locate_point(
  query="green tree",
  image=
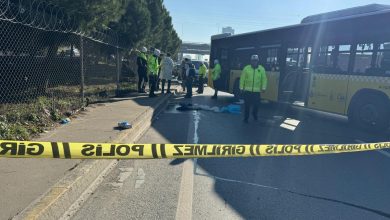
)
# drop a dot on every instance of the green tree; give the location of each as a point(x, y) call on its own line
point(137, 22)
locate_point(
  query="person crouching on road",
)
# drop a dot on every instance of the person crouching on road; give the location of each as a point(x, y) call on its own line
point(166, 72)
point(253, 81)
point(153, 67)
point(216, 75)
point(202, 76)
point(142, 62)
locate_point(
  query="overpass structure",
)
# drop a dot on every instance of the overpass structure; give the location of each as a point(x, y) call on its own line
point(194, 48)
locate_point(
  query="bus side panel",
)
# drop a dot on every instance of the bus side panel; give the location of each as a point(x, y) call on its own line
point(328, 92)
point(357, 83)
point(272, 91)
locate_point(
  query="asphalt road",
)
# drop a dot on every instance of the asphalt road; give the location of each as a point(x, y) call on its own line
point(342, 186)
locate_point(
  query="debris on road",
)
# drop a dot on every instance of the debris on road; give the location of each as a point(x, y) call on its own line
point(233, 109)
point(65, 121)
point(124, 125)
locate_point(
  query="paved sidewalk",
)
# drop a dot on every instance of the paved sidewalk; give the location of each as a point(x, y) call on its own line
point(24, 180)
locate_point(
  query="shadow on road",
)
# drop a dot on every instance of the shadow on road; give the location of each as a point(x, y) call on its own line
point(307, 186)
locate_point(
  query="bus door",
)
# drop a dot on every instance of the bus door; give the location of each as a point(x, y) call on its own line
point(294, 85)
point(225, 62)
point(329, 79)
point(270, 56)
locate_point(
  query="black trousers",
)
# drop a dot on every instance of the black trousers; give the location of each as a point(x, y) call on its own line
point(152, 84)
point(216, 84)
point(201, 84)
point(163, 85)
point(189, 86)
point(252, 101)
point(142, 80)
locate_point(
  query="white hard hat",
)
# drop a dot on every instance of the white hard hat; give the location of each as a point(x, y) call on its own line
point(255, 57)
point(216, 61)
point(157, 52)
point(144, 49)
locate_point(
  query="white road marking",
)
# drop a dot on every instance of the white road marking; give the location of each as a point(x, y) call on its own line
point(385, 153)
point(184, 205)
point(140, 178)
point(123, 176)
point(236, 181)
point(196, 115)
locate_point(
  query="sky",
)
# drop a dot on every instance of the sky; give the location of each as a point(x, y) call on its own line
point(197, 20)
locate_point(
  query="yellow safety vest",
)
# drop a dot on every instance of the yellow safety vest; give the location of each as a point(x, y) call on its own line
point(202, 71)
point(153, 65)
point(253, 80)
point(216, 74)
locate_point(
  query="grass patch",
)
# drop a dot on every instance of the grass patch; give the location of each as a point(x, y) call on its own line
point(24, 121)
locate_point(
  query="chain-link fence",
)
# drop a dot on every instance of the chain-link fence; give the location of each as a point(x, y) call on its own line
point(49, 69)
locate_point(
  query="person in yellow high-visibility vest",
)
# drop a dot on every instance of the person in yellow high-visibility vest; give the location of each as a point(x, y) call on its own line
point(202, 76)
point(142, 62)
point(216, 75)
point(253, 82)
point(153, 67)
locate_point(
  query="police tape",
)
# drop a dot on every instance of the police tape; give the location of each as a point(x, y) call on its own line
point(64, 150)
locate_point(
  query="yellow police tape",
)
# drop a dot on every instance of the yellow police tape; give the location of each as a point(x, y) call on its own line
point(64, 150)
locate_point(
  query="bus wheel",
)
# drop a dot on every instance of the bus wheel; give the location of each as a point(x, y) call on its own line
point(236, 89)
point(371, 113)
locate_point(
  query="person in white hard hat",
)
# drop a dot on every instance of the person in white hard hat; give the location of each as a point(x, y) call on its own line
point(253, 82)
point(142, 62)
point(153, 67)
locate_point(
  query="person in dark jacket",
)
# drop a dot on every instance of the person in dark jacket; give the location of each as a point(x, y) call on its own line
point(190, 78)
point(142, 62)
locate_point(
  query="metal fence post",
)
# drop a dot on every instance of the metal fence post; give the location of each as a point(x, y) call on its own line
point(82, 71)
point(118, 69)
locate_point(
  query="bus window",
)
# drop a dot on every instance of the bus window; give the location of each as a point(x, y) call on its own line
point(382, 62)
point(295, 57)
point(241, 57)
point(363, 58)
point(343, 58)
point(272, 63)
point(332, 59)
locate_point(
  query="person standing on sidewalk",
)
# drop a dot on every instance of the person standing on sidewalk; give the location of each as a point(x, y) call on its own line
point(216, 76)
point(183, 73)
point(142, 62)
point(202, 76)
point(190, 78)
point(153, 67)
point(253, 82)
point(159, 71)
point(166, 72)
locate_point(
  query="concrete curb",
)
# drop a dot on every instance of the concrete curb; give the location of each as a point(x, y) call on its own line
point(60, 197)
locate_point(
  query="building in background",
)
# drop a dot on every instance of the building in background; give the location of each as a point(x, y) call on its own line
point(228, 30)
